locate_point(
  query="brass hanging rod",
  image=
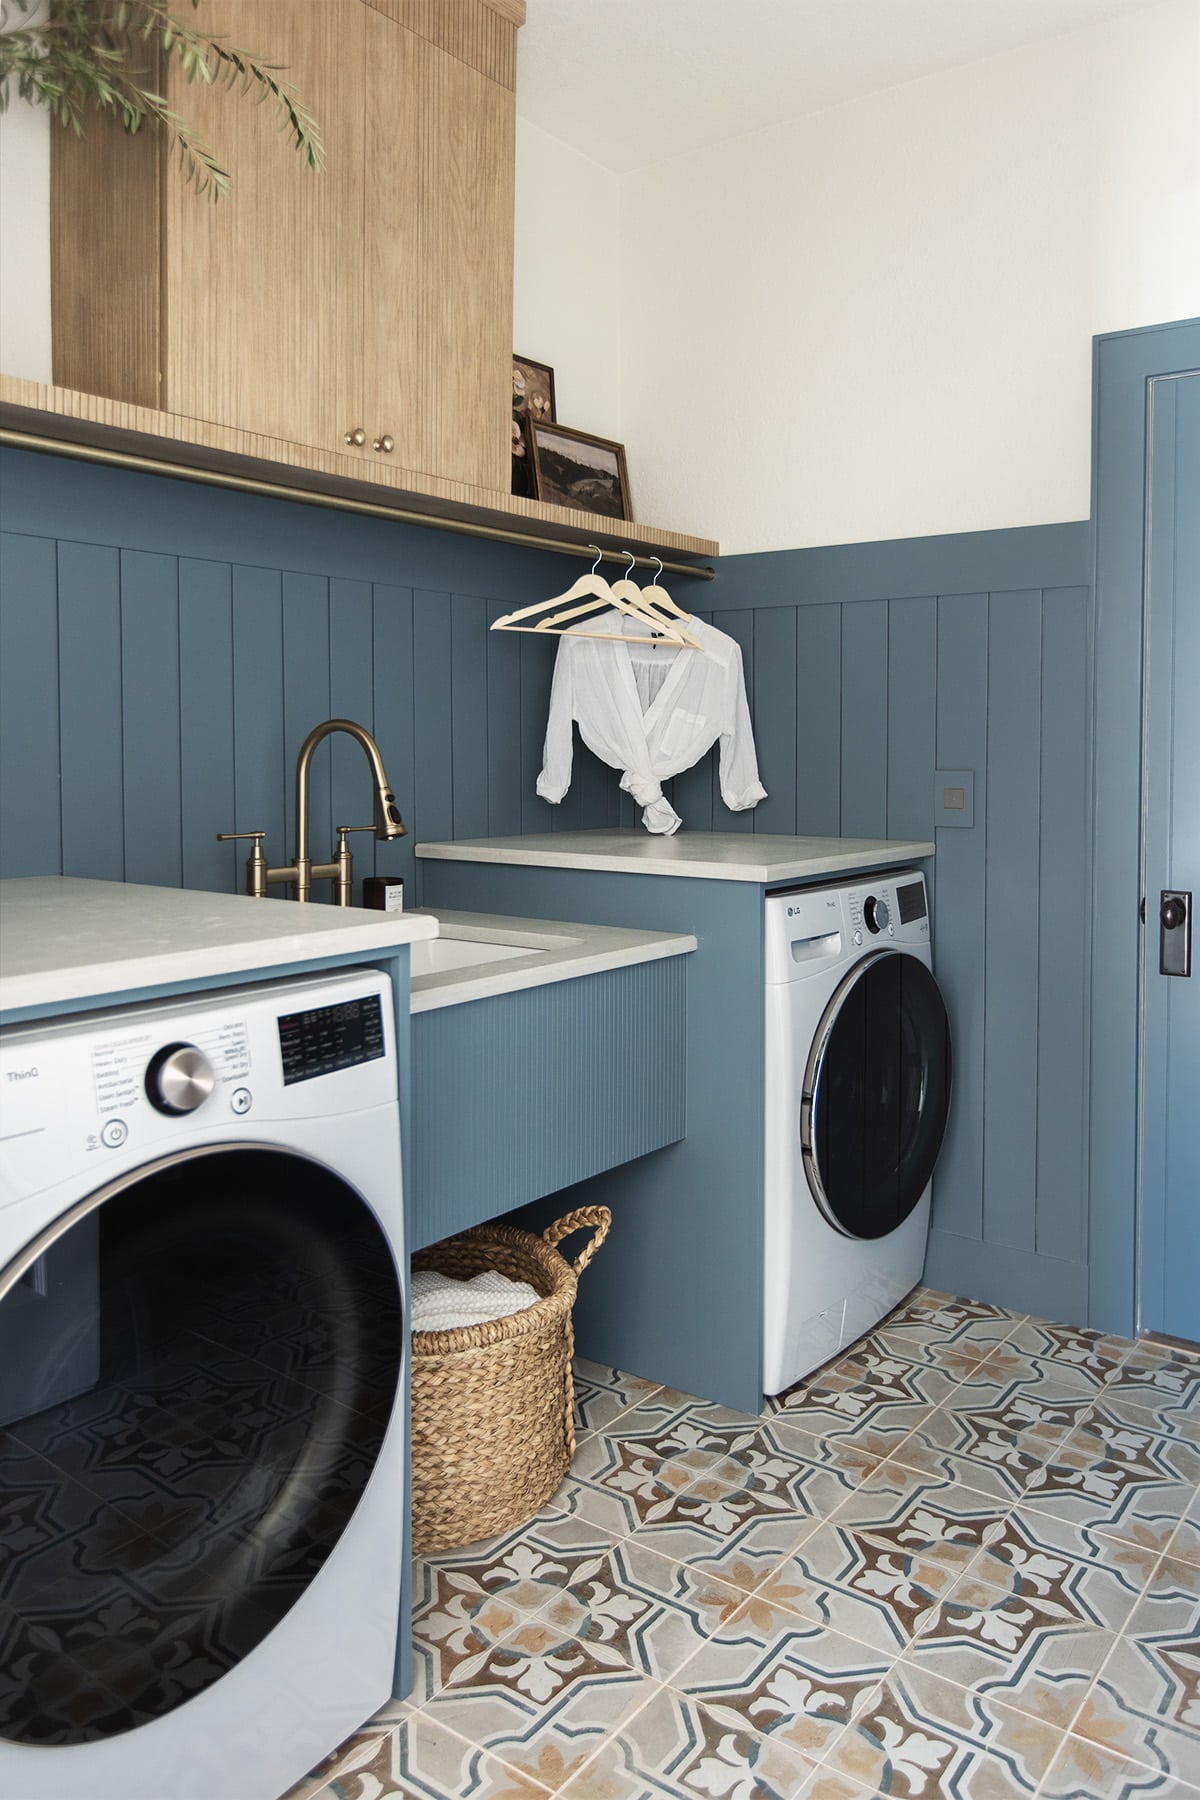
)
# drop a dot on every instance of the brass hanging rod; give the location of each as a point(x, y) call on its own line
point(249, 484)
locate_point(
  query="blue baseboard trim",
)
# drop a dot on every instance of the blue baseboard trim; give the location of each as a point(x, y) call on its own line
point(1019, 1279)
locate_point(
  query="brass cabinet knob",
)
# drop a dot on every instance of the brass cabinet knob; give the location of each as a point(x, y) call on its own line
point(357, 436)
point(385, 445)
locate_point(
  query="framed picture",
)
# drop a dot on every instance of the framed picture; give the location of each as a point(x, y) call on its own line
point(573, 468)
point(533, 389)
point(523, 479)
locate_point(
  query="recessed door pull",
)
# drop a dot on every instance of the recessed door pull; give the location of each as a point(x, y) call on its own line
point(1174, 932)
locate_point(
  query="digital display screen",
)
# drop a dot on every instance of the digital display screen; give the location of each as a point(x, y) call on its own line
point(911, 901)
point(328, 1038)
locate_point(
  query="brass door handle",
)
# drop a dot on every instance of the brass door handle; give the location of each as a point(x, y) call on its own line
point(356, 435)
point(385, 444)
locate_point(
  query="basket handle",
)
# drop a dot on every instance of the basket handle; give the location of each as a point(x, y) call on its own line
point(597, 1216)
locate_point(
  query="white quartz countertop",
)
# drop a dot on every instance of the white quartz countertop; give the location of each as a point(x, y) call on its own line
point(67, 939)
point(708, 855)
point(485, 954)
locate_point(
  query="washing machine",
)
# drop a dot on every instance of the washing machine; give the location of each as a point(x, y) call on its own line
point(857, 1099)
point(202, 1433)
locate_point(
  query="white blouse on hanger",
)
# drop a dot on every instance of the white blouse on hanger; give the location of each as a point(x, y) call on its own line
point(651, 711)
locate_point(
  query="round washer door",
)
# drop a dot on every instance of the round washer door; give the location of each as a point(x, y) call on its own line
point(876, 1095)
point(210, 1354)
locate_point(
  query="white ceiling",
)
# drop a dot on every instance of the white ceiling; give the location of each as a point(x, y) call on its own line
point(631, 82)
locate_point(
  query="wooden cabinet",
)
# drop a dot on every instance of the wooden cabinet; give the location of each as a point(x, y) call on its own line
point(375, 297)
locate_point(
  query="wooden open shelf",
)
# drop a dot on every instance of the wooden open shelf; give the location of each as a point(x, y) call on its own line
point(36, 415)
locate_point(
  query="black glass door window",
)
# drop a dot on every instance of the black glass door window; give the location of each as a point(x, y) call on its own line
point(877, 1095)
point(238, 1338)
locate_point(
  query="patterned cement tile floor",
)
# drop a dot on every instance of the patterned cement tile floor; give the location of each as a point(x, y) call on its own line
point(963, 1560)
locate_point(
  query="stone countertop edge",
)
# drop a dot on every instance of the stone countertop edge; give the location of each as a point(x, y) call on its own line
point(587, 950)
point(699, 855)
point(65, 938)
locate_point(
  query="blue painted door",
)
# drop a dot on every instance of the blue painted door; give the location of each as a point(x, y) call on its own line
point(1170, 1163)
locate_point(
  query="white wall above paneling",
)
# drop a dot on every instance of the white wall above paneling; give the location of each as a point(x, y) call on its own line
point(25, 242)
point(566, 286)
point(875, 321)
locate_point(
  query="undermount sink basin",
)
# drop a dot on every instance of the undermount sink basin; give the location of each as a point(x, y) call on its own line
point(432, 956)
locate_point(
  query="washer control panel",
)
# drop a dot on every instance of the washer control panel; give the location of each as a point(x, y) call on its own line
point(822, 927)
point(140, 1081)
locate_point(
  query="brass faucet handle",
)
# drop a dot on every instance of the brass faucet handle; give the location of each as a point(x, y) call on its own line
point(256, 862)
point(344, 830)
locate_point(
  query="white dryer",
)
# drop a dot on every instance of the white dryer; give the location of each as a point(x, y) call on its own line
point(201, 1389)
point(857, 1098)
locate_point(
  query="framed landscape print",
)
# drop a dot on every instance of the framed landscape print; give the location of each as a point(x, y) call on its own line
point(574, 468)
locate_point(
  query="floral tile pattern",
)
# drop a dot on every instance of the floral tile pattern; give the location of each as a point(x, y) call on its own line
point(960, 1563)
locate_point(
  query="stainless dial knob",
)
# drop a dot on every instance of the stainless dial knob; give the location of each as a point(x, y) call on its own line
point(179, 1078)
point(877, 913)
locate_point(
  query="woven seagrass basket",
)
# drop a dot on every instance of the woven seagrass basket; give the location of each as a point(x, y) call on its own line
point(493, 1427)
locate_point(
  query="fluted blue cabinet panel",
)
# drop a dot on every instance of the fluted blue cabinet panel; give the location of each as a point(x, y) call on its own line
point(521, 1095)
point(677, 1294)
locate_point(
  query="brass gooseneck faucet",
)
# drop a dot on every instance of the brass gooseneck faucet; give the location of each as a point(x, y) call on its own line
point(302, 872)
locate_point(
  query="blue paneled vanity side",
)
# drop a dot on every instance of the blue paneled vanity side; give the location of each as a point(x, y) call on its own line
point(524, 1094)
point(677, 1293)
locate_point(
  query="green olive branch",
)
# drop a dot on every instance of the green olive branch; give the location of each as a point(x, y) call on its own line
point(79, 60)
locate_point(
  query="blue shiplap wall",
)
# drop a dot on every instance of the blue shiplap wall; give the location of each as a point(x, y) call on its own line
point(873, 666)
point(164, 648)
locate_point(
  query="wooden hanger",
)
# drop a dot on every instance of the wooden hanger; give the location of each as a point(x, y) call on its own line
point(600, 595)
point(647, 599)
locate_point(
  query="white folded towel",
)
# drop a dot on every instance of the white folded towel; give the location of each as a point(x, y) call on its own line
point(440, 1303)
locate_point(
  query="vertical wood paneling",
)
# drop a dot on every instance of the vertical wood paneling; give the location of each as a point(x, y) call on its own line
point(433, 700)
point(819, 721)
point(395, 726)
point(504, 729)
point(1062, 942)
point(351, 696)
point(1011, 948)
point(738, 625)
point(960, 921)
point(306, 702)
point(208, 795)
point(912, 717)
point(537, 666)
point(30, 788)
point(691, 790)
point(150, 718)
point(89, 628)
point(775, 717)
point(864, 719)
point(260, 772)
point(468, 653)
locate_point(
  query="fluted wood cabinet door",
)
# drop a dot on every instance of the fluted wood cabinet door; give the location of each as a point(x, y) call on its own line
point(375, 295)
point(263, 290)
point(437, 297)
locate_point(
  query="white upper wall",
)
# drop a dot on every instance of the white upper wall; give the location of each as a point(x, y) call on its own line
point(25, 242)
point(876, 321)
point(565, 279)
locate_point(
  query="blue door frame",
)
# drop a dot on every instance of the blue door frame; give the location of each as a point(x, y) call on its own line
point(1124, 364)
